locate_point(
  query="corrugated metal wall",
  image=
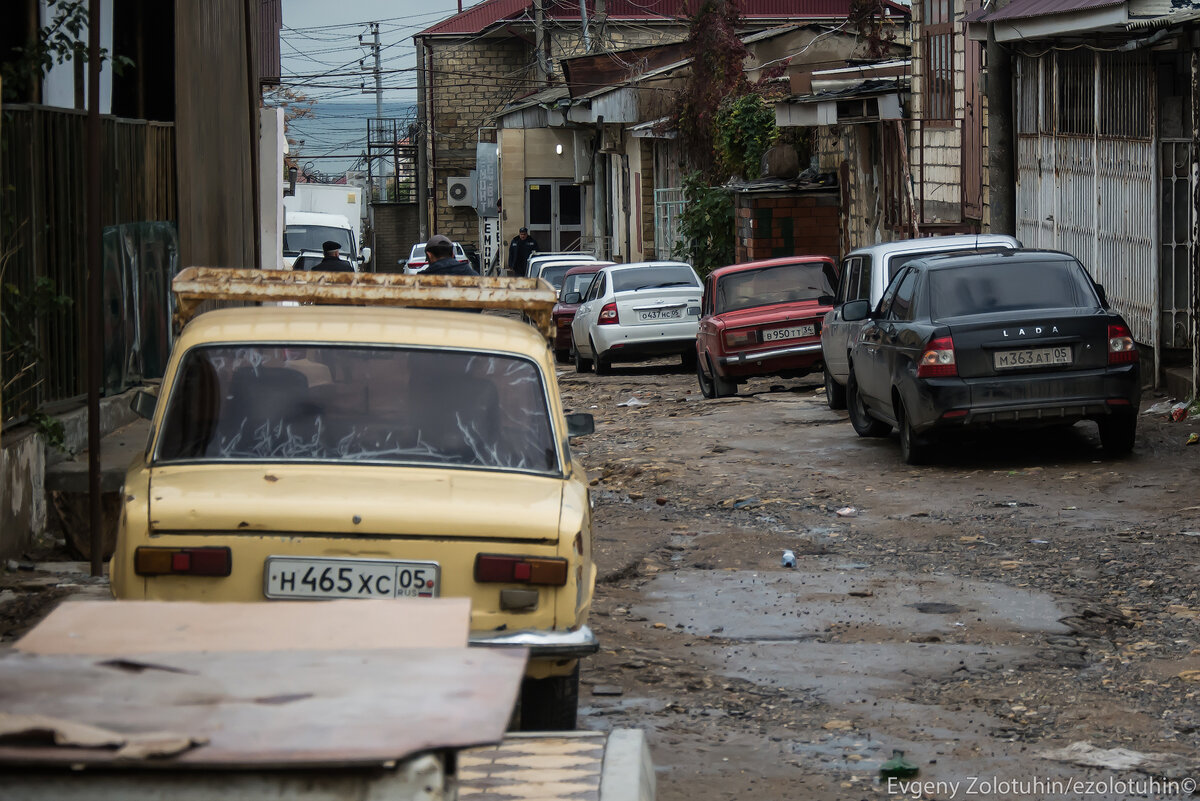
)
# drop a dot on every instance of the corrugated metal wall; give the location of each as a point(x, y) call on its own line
point(44, 212)
point(217, 139)
point(1085, 172)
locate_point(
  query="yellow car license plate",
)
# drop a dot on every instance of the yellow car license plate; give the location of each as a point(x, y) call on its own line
point(336, 577)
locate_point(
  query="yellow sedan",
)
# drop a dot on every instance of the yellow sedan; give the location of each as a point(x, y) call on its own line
point(317, 452)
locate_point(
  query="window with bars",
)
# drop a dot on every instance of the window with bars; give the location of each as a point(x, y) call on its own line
point(937, 48)
point(1058, 94)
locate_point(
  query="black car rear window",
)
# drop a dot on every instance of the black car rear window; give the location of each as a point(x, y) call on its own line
point(653, 277)
point(1011, 286)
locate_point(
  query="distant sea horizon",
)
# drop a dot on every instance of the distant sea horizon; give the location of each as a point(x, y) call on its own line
point(338, 128)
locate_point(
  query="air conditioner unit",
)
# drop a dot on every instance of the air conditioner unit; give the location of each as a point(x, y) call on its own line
point(461, 190)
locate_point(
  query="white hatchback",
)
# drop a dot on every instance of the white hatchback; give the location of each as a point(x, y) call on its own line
point(416, 261)
point(637, 311)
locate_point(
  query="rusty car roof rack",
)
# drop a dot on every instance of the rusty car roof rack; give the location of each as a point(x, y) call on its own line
point(532, 296)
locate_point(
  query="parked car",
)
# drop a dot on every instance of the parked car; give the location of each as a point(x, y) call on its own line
point(575, 283)
point(1015, 338)
point(762, 318)
point(554, 271)
point(635, 311)
point(533, 267)
point(416, 261)
point(313, 452)
point(864, 275)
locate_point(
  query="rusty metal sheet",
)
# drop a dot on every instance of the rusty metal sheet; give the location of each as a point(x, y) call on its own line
point(316, 709)
point(532, 296)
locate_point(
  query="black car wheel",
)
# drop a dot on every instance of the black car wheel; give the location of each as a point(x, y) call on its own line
point(914, 449)
point(1117, 433)
point(835, 393)
point(550, 704)
point(706, 384)
point(582, 365)
point(864, 424)
point(603, 365)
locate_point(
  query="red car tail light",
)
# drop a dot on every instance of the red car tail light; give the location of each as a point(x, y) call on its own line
point(736, 339)
point(608, 315)
point(1121, 347)
point(182, 561)
point(520, 569)
point(938, 359)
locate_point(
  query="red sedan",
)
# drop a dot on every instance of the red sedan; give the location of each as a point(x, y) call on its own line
point(575, 283)
point(762, 318)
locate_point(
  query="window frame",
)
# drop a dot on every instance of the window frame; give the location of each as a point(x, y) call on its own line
point(937, 26)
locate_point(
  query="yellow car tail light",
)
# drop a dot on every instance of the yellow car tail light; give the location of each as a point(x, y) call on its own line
point(520, 569)
point(182, 561)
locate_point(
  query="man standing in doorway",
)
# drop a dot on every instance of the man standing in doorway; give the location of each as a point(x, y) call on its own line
point(518, 252)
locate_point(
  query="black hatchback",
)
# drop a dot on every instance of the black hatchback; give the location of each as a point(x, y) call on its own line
point(1009, 338)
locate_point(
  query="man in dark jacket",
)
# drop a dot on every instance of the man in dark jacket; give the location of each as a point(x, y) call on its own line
point(439, 250)
point(518, 252)
point(333, 262)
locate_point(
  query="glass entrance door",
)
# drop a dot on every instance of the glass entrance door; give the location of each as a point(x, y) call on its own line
point(554, 213)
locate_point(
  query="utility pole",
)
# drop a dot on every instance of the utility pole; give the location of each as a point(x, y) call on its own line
point(423, 125)
point(539, 38)
point(378, 70)
point(587, 45)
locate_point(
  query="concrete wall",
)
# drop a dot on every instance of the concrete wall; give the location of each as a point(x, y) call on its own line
point(24, 457)
point(397, 228)
point(774, 224)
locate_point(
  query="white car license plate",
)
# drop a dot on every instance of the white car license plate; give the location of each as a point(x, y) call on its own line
point(1031, 357)
point(775, 334)
point(299, 577)
point(661, 314)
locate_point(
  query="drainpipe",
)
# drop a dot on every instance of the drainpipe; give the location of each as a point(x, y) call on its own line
point(599, 193)
point(422, 136)
point(1195, 332)
point(95, 322)
point(1002, 183)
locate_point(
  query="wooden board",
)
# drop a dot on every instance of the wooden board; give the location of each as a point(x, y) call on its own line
point(125, 628)
point(263, 709)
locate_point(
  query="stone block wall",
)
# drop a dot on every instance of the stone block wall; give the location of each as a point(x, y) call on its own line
point(471, 81)
point(397, 229)
point(775, 224)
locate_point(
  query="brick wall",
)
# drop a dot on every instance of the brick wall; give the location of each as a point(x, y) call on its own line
point(647, 190)
point(774, 224)
point(470, 82)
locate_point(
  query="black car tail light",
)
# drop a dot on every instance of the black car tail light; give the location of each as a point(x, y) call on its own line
point(938, 359)
point(1121, 347)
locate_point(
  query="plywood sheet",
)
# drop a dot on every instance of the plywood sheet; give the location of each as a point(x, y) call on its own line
point(127, 628)
point(270, 709)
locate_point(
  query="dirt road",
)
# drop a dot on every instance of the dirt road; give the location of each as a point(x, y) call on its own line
point(1020, 596)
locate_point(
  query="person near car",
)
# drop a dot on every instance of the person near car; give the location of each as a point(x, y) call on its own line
point(333, 262)
point(439, 252)
point(519, 250)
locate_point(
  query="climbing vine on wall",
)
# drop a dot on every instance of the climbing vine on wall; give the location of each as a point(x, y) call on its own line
point(706, 226)
point(744, 130)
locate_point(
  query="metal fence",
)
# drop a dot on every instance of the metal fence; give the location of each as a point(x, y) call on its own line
point(668, 209)
point(43, 234)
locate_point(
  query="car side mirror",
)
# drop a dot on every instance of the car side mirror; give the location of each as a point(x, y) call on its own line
point(825, 300)
point(572, 297)
point(144, 404)
point(856, 310)
point(580, 424)
point(1103, 295)
point(366, 255)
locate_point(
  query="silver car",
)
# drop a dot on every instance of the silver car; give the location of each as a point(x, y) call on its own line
point(865, 273)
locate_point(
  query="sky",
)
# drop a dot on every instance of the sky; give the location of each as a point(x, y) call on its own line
point(320, 49)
